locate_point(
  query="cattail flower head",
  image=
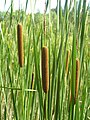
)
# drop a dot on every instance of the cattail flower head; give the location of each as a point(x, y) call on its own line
point(45, 72)
point(76, 81)
point(20, 45)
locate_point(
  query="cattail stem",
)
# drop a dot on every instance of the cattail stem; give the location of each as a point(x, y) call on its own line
point(45, 71)
point(45, 108)
point(32, 83)
point(44, 23)
point(77, 79)
point(20, 45)
point(67, 61)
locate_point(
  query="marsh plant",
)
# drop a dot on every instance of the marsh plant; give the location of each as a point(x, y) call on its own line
point(45, 62)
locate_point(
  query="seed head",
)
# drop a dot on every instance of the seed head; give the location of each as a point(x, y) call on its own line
point(20, 45)
point(45, 72)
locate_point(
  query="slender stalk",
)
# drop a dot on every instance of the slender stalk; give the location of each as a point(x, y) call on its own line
point(77, 79)
point(32, 82)
point(67, 61)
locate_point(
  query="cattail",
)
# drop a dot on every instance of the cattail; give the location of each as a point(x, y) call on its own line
point(32, 83)
point(20, 45)
point(45, 72)
point(76, 82)
point(67, 61)
point(77, 79)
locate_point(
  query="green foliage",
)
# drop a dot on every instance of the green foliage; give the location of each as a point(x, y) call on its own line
point(66, 29)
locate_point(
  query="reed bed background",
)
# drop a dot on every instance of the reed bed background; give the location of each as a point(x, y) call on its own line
point(45, 69)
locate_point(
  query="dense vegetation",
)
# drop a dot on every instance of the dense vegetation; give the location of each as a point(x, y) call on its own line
point(66, 35)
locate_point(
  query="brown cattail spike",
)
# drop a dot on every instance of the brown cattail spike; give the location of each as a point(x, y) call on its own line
point(77, 79)
point(67, 61)
point(20, 45)
point(45, 72)
point(76, 82)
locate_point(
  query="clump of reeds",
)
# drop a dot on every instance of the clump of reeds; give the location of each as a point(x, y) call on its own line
point(20, 45)
point(77, 79)
point(45, 72)
point(67, 61)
